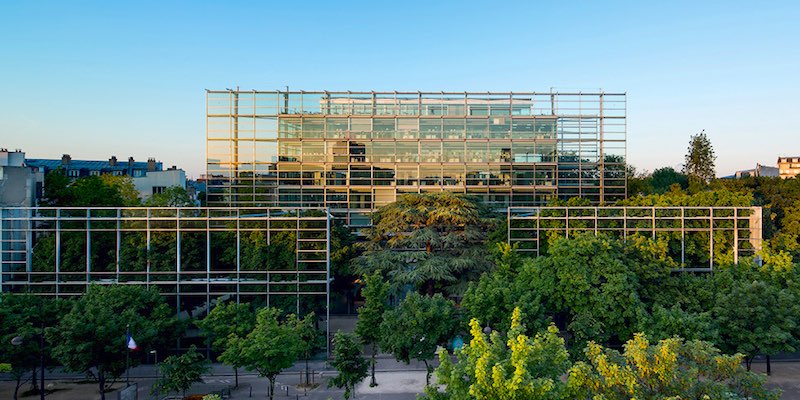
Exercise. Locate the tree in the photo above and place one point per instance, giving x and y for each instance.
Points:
(417, 326)
(23, 320)
(588, 279)
(311, 339)
(91, 337)
(757, 317)
(700, 158)
(178, 373)
(268, 349)
(173, 196)
(370, 315)
(89, 191)
(672, 368)
(349, 363)
(433, 241)
(518, 368)
(665, 323)
(124, 186)
(494, 296)
(226, 320)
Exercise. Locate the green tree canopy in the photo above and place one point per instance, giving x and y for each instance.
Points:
(370, 315)
(173, 196)
(348, 362)
(517, 368)
(433, 241)
(268, 349)
(91, 337)
(179, 373)
(224, 321)
(700, 158)
(419, 324)
(670, 369)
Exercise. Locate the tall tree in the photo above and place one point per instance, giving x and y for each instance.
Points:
(226, 320)
(91, 337)
(433, 241)
(700, 158)
(268, 349)
(173, 196)
(311, 339)
(417, 327)
(370, 315)
(349, 363)
(179, 373)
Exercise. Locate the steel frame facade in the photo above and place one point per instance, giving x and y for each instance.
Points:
(196, 257)
(722, 231)
(355, 151)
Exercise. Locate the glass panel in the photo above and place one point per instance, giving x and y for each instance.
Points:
(476, 152)
(360, 128)
(430, 175)
(499, 151)
(407, 151)
(383, 151)
(407, 128)
(431, 152)
(524, 153)
(407, 175)
(453, 152)
(289, 152)
(430, 128)
(500, 127)
(313, 151)
(383, 128)
(477, 128)
(312, 127)
(522, 128)
(336, 127)
(289, 128)
(453, 128)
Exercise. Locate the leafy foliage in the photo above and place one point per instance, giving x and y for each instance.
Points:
(348, 362)
(433, 241)
(179, 373)
(519, 368)
(268, 349)
(370, 315)
(672, 368)
(91, 337)
(419, 324)
(700, 158)
(173, 196)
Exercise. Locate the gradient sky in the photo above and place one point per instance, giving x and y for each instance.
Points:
(95, 79)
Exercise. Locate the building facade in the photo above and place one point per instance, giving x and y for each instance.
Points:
(356, 151)
(20, 184)
(789, 167)
(81, 168)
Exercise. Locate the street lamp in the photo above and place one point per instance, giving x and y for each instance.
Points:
(155, 357)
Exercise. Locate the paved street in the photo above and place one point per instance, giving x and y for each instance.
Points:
(396, 382)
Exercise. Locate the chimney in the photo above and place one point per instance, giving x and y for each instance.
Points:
(65, 159)
(130, 162)
(151, 164)
(112, 161)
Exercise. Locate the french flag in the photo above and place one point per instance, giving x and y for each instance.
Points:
(132, 343)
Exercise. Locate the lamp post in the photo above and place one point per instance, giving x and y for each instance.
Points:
(155, 357)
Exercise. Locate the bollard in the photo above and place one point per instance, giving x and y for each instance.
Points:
(287, 390)
(251, 390)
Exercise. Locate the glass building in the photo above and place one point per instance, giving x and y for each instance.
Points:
(356, 151)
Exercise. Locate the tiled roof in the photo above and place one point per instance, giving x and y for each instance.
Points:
(89, 165)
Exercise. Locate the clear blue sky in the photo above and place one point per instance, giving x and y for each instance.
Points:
(94, 79)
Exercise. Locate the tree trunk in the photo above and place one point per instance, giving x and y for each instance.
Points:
(101, 378)
(34, 381)
(373, 383)
(306, 371)
(16, 388)
(748, 361)
(427, 373)
(769, 367)
(271, 386)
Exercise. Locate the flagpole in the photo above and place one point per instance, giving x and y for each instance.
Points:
(127, 355)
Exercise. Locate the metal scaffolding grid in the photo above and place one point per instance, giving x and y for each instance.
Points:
(713, 232)
(196, 257)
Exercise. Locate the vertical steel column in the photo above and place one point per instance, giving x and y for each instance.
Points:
(711, 238)
(58, 251)
(328, 282)
(683, 237)
(208, 259)
(3, 252)
(147, 230)
(653, 221)
(118, 234)
(88, 247)
(28, 242)
(736, 235)
(238, 253)
(297, 261)
(178, 262)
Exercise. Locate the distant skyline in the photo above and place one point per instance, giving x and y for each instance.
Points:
(96, 79)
